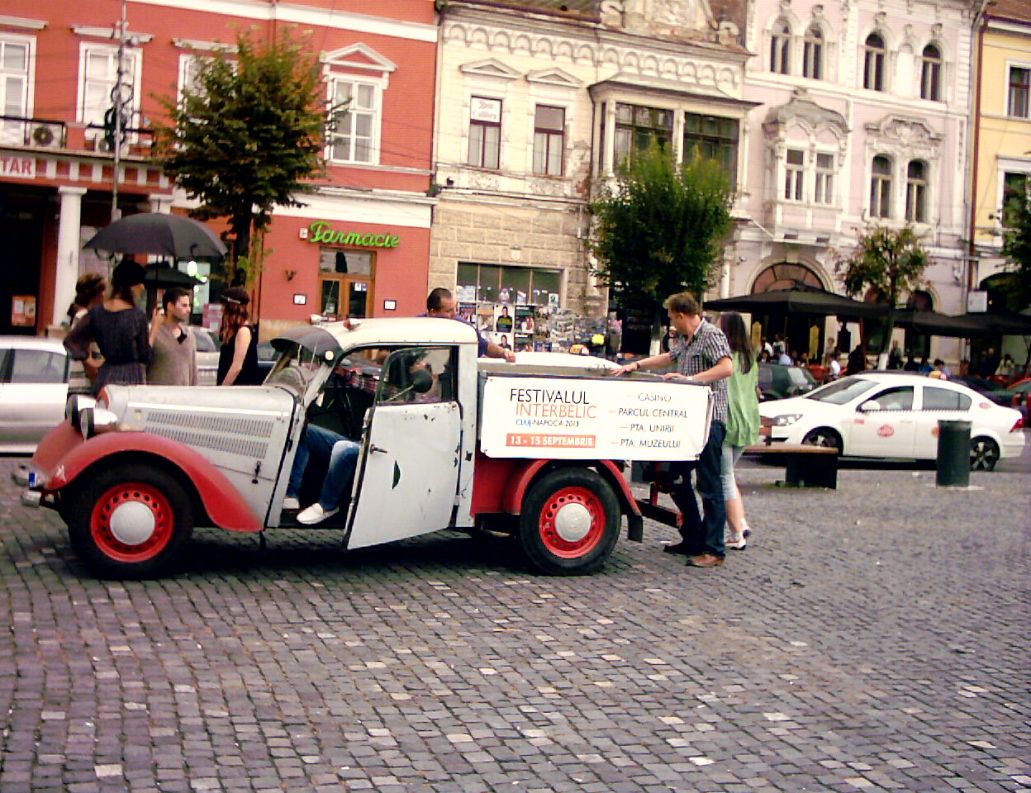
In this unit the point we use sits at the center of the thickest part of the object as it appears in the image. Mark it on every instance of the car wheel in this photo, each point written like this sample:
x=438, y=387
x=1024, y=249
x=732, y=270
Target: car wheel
x=130, y=522
x=569, y=522
x=984, y=454
x=823, y=437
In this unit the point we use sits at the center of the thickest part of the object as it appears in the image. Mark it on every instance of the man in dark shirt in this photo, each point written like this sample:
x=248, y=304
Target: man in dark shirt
x=702, y=355
x=441, y=303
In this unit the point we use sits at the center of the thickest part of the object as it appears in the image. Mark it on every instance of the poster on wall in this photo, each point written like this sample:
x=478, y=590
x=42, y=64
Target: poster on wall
x=23, y=311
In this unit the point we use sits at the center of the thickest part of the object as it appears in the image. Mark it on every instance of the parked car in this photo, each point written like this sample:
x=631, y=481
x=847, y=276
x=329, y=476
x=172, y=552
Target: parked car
x=207, y=355
x=777, y=381
x=986, y=388
x=1020, y=397
x=895, y=415
x=34, y=381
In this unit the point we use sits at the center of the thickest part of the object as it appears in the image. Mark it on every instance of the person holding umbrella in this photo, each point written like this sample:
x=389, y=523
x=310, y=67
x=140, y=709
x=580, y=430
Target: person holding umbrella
x=238, y=356
x=119, y=329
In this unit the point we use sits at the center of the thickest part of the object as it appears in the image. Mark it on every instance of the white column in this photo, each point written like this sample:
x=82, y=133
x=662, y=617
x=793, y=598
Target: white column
x=66, y=271
x=161, y=204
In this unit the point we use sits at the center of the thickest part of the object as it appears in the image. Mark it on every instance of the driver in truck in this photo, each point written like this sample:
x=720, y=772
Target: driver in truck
x=336, y=485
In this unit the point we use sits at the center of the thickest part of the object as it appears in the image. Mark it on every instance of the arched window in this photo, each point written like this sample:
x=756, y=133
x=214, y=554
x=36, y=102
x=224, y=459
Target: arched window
x=916, y=192
x=873, y=65
x=880, y=188
x=812, y=55
x=780, y=48
x=930, y=74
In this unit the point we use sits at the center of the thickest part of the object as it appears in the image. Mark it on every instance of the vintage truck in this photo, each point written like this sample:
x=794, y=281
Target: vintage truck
x=447, y=441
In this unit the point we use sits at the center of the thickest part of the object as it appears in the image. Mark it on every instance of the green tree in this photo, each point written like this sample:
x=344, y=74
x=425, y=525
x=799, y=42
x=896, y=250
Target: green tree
x=247, y=136
x=891, y=262
x=660, y=228
x=1017, y=248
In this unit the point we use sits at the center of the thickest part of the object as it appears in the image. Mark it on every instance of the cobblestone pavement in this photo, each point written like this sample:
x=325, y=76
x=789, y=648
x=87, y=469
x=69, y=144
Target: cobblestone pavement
x=875, y=637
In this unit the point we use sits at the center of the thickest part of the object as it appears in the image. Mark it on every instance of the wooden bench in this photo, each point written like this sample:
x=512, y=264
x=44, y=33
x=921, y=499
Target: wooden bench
x=805, y=465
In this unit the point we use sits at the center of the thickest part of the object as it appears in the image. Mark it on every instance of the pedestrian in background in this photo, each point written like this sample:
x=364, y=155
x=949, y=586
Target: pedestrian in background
x=238, y=355
x=89, y=292
x=742, y=423
x=119, y=329
x=174, y=359
x=702, y=355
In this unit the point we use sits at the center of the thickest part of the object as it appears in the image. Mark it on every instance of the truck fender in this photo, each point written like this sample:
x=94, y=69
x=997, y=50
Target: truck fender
x=523, y=477
x=224, y=505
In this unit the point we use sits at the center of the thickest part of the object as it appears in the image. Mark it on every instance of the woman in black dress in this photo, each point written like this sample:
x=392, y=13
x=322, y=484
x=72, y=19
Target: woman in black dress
x=119, y=329
x=238, y=356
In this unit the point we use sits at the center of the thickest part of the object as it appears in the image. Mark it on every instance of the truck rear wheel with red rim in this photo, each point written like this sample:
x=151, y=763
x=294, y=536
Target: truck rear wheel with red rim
x=130, y=521
x=569, y=522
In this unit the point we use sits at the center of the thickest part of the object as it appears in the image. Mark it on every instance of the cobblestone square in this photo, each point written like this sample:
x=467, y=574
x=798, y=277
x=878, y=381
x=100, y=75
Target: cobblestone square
x=870, y=638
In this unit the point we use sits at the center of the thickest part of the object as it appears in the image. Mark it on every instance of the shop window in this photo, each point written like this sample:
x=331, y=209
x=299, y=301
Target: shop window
x=548, y=140
x=493, y=283
x=14, y=89
x=99, y=74
x=824, y=192
x=873, y=63
x=780, y=48
x=638, y=127
x=916, y=192
x=794, y=171
x=812, y=53
x=485, y=133
x=1019, y=89
x=353, y=135
x=880, y=188
x=713, y=137
x=345, y=282
x=930, y=73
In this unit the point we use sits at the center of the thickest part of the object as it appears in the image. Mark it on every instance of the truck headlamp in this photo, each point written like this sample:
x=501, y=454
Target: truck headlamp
x=75, y=405
x=95, y=420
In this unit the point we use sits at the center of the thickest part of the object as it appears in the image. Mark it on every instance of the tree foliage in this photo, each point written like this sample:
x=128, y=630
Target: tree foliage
x=660, y=228
x=248, y=135
x=890, y=261
x=1017, y=247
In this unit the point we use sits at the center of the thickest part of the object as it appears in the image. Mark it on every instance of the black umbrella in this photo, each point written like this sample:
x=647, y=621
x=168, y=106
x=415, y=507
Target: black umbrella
x=803, y=301
x=936, y=324
x=1008, y=324
x=162, y=275
x=159, y=234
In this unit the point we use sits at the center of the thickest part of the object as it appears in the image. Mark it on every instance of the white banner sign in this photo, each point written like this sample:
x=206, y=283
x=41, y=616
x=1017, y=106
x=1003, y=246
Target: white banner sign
x=571, y=418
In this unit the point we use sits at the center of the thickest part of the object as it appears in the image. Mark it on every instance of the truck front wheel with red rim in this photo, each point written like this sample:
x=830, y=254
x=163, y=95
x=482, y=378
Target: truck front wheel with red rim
x=130, y=521
x=569, y=522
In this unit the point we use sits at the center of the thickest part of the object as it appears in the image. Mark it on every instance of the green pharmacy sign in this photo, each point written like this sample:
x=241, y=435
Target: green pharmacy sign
x=322, y=232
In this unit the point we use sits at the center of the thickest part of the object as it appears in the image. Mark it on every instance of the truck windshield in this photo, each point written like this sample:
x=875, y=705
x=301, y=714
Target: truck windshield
x=296, y=368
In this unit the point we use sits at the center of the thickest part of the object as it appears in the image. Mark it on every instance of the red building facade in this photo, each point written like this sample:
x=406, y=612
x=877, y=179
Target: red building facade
x=359, y=247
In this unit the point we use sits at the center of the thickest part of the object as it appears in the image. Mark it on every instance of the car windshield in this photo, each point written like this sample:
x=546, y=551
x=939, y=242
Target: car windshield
x=801, y=378
x=841, y=391
x=296, y=368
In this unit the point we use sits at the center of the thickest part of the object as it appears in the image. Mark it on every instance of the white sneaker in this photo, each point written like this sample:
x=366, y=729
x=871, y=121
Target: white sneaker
x=735, y=541
x=291, y=503
x=315, y=514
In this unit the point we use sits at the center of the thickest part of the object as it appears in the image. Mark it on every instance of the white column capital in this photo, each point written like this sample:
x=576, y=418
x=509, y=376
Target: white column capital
x=69, y=190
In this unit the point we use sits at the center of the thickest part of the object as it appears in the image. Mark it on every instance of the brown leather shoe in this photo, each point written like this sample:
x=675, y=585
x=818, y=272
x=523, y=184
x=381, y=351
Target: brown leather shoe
x=704, y=560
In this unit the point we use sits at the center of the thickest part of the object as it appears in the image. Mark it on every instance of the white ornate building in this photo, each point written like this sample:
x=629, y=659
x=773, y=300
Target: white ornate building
x=535, y=102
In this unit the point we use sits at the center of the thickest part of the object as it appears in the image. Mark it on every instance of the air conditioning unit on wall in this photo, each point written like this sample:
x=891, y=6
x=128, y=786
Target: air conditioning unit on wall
x=47, y=136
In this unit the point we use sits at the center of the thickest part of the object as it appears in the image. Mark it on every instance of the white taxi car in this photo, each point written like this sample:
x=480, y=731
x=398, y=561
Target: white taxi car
x=889, y=415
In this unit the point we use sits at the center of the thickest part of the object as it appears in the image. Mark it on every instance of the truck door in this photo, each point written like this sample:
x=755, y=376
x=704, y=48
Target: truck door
x=408, y=474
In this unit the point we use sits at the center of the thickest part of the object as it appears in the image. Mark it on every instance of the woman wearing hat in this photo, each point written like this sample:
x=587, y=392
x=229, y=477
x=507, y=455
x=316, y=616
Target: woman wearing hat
x=238, y=356
x=119, y=329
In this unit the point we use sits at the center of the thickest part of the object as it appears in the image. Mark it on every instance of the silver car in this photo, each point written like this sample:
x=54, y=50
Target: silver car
x=34, y=380
x=207, y=355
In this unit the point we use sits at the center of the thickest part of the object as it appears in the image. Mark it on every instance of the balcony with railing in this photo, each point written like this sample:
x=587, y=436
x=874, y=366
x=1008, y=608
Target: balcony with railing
x=74, y=137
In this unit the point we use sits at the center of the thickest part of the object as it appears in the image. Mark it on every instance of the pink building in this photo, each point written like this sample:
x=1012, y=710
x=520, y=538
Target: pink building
x=864, y=120
x=360, y=246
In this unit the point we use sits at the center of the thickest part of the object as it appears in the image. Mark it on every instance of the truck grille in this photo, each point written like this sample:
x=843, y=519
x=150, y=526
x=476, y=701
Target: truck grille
x=247, y=437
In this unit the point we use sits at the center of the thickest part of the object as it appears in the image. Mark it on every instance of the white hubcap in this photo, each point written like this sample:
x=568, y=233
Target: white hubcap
x=133, y=523
x=573, y=522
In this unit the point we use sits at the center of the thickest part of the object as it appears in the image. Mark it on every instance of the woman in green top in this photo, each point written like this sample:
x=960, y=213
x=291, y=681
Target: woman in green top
x=742, y=422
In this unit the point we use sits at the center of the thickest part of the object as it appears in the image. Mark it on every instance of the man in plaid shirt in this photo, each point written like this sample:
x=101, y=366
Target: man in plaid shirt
x=701, y=356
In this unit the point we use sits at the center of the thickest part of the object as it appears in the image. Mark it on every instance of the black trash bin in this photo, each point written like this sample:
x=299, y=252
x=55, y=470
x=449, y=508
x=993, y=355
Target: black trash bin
x=953, y=454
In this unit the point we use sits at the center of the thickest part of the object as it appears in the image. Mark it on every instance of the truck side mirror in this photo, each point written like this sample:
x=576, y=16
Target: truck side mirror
x=422, y=380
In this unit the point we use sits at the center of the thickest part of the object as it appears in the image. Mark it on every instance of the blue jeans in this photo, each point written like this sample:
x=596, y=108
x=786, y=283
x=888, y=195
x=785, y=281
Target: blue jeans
x=704, y=535
x=343, y=459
